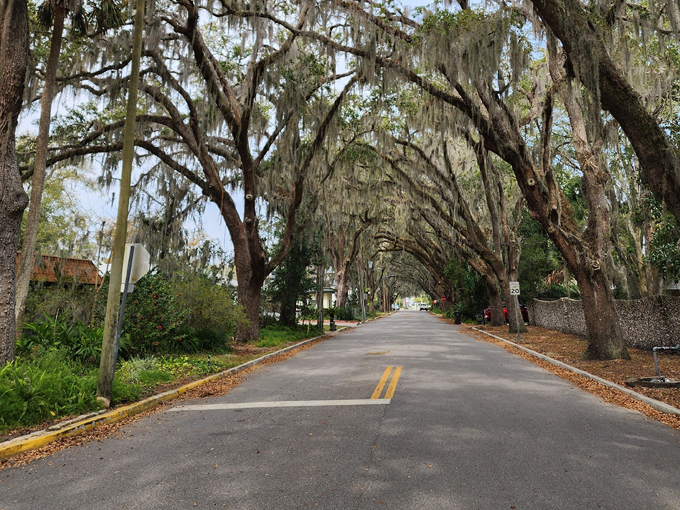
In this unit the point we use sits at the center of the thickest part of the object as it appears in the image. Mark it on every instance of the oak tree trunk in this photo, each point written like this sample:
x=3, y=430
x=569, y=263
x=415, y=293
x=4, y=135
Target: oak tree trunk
x=514, y=253
x=38, y=182
x=250, y=272
x=342, y=289
x=13, y=199
x=249, y=298
x=605, y=339
x=495, y=302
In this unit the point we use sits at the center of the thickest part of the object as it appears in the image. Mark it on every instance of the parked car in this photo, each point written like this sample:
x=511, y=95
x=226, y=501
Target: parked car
x=522, y=308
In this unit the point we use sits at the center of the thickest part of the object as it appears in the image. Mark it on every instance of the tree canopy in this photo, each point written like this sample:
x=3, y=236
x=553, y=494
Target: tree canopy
x=509, y=140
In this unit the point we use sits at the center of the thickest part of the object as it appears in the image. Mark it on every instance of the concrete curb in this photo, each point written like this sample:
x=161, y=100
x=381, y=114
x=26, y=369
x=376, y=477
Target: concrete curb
x=656, y=404
x=89, y=421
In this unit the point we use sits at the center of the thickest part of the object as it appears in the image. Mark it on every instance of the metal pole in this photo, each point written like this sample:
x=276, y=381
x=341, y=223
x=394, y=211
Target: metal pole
x=656, y=363
x=361, y=295
x=519, y=340
x=122, y=309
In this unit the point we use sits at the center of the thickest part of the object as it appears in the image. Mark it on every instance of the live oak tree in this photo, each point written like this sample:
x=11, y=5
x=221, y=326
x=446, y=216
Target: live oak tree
x=236, y=105
x=13, y=199
x=460, y=55
x=348, y=212
x=53, y=13
x=592, y=37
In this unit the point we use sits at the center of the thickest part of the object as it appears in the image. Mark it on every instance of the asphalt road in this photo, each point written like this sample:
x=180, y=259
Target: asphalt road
x=469, y=427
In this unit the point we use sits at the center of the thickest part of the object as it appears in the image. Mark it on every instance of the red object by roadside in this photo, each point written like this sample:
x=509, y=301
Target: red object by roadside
x=522, y=308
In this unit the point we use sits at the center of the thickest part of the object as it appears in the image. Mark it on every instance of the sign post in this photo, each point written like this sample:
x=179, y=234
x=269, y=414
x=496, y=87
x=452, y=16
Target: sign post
x=136, y=264
x=514, y=292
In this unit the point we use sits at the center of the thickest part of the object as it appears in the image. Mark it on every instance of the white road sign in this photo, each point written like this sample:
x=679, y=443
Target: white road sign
x=140, y=265
x=514, y=288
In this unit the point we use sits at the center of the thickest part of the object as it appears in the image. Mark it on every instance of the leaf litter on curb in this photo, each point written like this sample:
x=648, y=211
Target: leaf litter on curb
x=569, y=349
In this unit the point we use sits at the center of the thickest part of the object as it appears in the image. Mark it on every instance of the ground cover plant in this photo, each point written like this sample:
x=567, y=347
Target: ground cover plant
x=275, y=336
x=50, y=385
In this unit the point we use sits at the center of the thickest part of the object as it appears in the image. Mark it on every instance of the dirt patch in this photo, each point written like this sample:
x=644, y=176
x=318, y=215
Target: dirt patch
x=212, y=389
x=569, y=349
x=247, y=349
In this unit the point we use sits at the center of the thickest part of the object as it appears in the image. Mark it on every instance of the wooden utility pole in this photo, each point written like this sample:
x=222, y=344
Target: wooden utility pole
x=107, y=365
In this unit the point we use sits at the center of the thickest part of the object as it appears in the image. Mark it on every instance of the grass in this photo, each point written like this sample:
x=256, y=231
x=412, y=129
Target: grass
x=276, y=336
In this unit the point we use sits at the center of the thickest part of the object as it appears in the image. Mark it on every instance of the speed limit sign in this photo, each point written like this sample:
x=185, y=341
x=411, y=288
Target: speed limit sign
x=514, y=288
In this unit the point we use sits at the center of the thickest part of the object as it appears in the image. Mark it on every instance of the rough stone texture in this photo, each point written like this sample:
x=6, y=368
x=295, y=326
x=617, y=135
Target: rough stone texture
x=645, y=323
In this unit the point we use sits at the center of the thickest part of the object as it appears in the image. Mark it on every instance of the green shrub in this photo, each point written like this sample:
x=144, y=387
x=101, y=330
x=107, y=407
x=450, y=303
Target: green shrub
x=188, y=314
x=344, y=314
x=209, y=306
x=50, y=332
x=340, y=314
x=202, y=340
x=211, y=317
x=153, y=316
x=87, y=347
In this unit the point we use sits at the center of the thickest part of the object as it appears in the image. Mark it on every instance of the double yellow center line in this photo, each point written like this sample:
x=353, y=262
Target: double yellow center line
x=383, y=380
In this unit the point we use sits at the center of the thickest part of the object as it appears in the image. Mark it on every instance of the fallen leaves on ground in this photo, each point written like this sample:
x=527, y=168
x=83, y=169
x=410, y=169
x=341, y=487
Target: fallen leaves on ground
x=569, y=349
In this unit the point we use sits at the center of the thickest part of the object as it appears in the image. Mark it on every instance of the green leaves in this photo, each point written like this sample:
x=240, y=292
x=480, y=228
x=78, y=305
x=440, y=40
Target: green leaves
x=82, y=343
x=39, y=390
x=154, y=316
x=664, y=247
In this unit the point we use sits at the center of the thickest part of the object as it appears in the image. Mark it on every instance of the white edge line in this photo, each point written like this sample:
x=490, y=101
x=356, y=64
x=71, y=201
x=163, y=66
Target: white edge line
x=165, y=396
x=299, y=403
x=656, y=404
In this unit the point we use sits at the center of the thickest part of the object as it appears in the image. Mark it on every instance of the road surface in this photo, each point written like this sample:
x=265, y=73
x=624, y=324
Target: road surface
x=457, y=424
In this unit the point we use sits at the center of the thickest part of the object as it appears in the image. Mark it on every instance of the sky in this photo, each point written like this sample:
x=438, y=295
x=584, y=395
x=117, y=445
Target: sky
x=99, y=206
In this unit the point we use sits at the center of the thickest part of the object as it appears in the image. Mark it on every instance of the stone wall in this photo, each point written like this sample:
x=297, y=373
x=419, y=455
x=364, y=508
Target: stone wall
x=564, y=315
x=645, y=323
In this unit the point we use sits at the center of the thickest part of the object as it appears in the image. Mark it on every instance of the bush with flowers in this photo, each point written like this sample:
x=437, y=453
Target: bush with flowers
x=154, y=316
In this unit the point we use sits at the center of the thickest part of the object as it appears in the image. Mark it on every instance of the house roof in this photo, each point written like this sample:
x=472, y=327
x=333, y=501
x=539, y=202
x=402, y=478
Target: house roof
x=63, y=269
